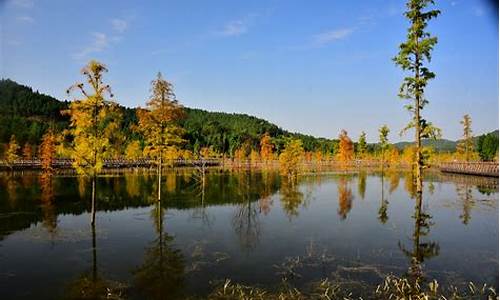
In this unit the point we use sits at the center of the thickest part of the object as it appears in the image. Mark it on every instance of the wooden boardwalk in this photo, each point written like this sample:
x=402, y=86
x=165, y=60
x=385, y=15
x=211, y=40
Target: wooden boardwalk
x=471, y=168
x=35, y=164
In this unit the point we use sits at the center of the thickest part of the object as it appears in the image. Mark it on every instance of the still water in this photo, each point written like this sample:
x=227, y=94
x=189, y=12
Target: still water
x=252, y=227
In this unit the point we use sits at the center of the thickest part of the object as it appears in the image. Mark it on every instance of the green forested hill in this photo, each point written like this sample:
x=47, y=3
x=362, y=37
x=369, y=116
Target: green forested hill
x=28, y=114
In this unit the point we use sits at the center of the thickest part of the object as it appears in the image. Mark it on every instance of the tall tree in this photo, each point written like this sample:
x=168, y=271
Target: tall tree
x=12, y=153
x=290, y=158
x=383, y=141
x=27, y=151
x=158, y=123
x=47, y=151
x=94, y=122
x=466, y=144
x=413, y=53
x=266, y=148
x=346, y=148
x=362, y=145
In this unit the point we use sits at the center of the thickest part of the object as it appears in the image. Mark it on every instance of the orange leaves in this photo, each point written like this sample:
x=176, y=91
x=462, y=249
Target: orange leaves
x=346, y=148
x=47, y=151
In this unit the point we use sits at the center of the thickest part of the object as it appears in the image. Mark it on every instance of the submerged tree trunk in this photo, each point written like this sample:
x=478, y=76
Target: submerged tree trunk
x=94, y=255
x=159, y=179
x=92, y=209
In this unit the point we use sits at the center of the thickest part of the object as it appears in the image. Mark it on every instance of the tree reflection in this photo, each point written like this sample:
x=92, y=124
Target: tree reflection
x=464, y=192
x=291, y=198
x=246, y=221
x=91, y=284
x=362, y=184
x=265, y=200
x=384, y=203
x=49, y=214
x=421, y=249
x=162, y=273
x=345, y=196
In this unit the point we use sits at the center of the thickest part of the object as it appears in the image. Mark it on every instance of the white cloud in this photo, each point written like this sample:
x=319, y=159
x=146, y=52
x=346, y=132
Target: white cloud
x=25, y=19
x=331, y=36
x=23, y=3
x=99, y=42
x=119, y=25
x=234, y=28
x=478, y=11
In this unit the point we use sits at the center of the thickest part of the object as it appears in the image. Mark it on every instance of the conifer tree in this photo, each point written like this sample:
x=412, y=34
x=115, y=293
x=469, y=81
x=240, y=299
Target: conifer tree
x=466, y=144
x=94, y=122
x=346, y=148
x=362, y=145
x=47, y=151
x=266, y=148
x=383, y=141
x=413, y=53
x=158, y=124
x=291, y=158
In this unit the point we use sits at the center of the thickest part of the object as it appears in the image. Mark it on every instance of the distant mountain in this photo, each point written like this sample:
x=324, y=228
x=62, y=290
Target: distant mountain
x=27, y=114
x=442, y=145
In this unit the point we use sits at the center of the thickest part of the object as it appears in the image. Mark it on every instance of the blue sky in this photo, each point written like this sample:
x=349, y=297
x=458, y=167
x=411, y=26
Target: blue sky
x=309, y=66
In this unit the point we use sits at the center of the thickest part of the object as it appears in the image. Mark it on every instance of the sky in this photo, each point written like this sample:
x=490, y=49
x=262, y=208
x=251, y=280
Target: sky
x=313, y=67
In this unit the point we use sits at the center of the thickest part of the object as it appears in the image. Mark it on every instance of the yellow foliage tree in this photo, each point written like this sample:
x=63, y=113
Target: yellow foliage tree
x=291, y=158
x=47, y=151
x=27, y=151
x=11, y=155
x=266, y=148
x=133, y=150
x=240, y=154
x=346, y=148
x=94, y=121
x=254, y=156
x=158, y=123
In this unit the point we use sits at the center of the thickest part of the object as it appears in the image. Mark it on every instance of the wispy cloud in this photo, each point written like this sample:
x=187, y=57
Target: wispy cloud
x=478, y=11
x=23, y=3
x=234, y=28
x=331, y=36
x=25, y=19
x=119, y=25
x=99, y=42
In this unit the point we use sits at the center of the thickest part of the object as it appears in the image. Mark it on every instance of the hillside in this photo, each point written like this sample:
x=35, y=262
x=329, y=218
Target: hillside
x=28, y=114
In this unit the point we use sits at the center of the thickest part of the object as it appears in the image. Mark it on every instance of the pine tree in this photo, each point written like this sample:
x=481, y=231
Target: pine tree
x=47, y=151
x=27, y=151
x=383, y=141
x=266, y=148
x=362, y=145
x=413, y=53
x=158, y=124
x=466, y=144
x=291, y=158
x=346, y=148
x=94, y=123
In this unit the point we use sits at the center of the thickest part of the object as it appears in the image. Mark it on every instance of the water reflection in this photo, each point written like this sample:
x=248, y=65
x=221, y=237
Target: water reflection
x=421, y=248
x=384, y=203
x=362, y=184
x=345, y=196
x=291, y=197
x=49, y=215
x=162, y=271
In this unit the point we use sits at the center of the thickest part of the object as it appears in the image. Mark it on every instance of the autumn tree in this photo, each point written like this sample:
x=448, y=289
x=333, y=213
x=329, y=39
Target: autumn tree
x=413, y=53
x=158, y=124
x=383, y=141
x=346, y=148
x=27, y=151
x=133, y=151
x=466, y=145
x=291, y=158
x=94, y=120
x=266, y=148
x=11, y=154
x=361, y=149
x=47, y=151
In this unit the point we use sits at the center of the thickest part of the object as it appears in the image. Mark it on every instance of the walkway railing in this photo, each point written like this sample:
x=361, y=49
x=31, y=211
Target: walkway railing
x=471, y=168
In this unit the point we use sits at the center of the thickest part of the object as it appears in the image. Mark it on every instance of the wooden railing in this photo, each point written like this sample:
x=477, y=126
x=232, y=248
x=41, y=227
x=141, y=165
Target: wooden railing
x=471, y=168
x=64, y=163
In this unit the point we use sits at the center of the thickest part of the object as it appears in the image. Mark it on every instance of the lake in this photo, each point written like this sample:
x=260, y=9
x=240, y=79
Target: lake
x=254, y=228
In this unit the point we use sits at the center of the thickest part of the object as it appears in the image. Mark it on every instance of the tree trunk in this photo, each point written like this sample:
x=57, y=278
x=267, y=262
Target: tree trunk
x=159, y=179
x=92, y=209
